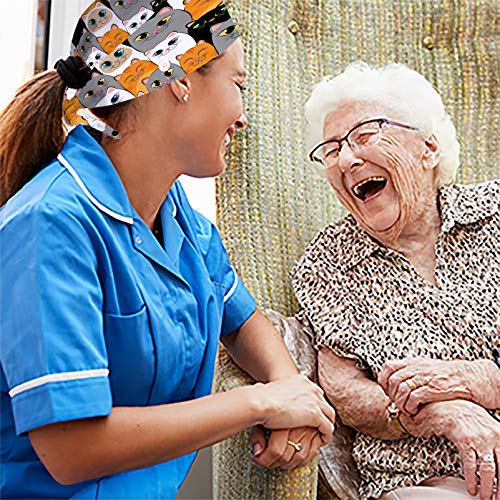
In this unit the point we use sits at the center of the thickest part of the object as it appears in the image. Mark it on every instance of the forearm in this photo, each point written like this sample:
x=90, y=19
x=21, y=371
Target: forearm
x=362, y=406
x=133, y=438
x=484, y=386
x=360, y=402
x=258, y=349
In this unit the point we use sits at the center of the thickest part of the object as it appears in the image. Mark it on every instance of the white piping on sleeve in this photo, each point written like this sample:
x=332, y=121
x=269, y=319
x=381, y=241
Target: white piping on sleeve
x=57, y=377
x=100, y=206
x=233, y=288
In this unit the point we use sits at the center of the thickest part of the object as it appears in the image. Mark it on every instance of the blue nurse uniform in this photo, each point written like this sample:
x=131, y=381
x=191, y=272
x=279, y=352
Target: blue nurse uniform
x=95, y=313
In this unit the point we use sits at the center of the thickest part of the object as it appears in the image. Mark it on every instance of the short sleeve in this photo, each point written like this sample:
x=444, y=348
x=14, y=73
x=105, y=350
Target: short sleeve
x=239, y=304
x=53, y=352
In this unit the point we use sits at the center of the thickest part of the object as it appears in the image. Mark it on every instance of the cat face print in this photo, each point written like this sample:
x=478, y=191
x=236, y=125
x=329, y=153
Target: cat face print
x=126, y=9
x=167, y=51
x=177, y=4
x=134, y=76
x=71, y=108
x=223, y=35
x=85, y=45
x=196, y=57
x=157, y=5
x=99, y=19
x=199, y=27
x=156, y=30
x=135, y=22
x=198, y=8
x=94, y=58
x=119, y=60
x=112, y=39
x=101, y=91
x=160, y=79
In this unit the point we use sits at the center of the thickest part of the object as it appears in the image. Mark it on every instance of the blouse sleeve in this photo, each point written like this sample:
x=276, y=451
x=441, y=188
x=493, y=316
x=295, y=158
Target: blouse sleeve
x=53, y=352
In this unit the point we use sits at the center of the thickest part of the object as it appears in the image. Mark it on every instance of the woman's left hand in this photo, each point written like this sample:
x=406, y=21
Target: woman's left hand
x=412, y=382
x=276, y=451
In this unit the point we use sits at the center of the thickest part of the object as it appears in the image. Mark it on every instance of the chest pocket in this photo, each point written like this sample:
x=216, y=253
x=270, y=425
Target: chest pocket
x=131, y=357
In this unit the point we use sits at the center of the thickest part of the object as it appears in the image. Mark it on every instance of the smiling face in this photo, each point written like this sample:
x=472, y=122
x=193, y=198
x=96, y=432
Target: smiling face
x=213, y=114
x=99, y=19
x=385, y=185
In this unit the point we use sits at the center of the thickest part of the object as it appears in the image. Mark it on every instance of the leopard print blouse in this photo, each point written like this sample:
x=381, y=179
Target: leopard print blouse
x=368, y=303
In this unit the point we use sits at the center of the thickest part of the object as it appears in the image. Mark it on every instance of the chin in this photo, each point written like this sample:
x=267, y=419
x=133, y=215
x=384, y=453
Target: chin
x=221, y=166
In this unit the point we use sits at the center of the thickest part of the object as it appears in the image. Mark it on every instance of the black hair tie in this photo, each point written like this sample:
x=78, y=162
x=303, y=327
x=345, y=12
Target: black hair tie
x=74, y=72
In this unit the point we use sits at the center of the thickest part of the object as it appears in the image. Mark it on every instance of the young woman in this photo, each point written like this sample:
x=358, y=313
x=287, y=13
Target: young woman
x=114, y=291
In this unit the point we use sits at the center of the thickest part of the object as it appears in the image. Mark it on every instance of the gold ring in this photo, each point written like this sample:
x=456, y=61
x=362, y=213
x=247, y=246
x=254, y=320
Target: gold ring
x=297, y=446
x=488, y=458
x=411, y=385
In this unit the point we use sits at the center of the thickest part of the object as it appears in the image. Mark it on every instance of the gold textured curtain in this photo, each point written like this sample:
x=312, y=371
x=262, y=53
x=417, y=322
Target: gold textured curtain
x=270, y=203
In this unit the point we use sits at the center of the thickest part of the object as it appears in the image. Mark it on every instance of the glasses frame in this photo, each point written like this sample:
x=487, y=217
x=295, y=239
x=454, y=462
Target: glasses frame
x=342, y=140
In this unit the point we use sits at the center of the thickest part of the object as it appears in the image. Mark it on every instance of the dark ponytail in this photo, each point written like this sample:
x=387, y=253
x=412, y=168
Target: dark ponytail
x=32, y=132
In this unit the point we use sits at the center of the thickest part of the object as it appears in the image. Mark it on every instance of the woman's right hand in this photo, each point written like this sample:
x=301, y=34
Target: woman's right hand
x=476, y=434
x=295, y=402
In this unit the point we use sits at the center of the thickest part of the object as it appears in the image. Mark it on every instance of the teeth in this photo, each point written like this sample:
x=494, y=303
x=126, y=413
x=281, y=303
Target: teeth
x=357, y=187
x=227, y=139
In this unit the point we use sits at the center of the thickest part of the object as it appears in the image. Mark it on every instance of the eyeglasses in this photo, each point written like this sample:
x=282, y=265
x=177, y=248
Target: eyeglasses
x=364, y=134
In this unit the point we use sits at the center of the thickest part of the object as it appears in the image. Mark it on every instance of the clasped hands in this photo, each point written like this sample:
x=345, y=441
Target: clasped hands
x=453, y=397
x=304, y=423
x=275, y=449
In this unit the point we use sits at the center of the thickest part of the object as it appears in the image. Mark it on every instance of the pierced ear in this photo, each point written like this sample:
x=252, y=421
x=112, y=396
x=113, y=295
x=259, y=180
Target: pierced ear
x=431, y=154
x=180, y=88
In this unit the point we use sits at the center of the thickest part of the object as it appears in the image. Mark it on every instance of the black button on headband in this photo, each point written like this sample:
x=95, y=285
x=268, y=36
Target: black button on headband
x=74, y=72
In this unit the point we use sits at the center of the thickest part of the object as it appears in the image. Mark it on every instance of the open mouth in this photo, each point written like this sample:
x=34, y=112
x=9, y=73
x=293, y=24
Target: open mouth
x=369, y=188
x=227, y=137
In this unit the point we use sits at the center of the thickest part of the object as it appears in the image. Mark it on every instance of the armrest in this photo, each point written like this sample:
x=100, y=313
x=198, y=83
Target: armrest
x=338, y=470
x=234, y=476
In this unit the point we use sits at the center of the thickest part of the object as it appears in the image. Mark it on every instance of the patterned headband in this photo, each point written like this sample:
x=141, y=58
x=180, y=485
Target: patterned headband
x=134, y=47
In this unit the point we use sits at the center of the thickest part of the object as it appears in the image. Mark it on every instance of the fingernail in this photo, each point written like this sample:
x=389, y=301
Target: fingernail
x=257, y=449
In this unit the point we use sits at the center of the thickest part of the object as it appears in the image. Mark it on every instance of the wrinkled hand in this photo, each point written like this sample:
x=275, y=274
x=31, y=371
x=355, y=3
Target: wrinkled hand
x=275, y=452
x=413, y=382
x=295, y=402
x=476, y=434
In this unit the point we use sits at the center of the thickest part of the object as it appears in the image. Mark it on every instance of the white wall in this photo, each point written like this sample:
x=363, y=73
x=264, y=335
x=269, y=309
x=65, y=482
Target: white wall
x=17, y=46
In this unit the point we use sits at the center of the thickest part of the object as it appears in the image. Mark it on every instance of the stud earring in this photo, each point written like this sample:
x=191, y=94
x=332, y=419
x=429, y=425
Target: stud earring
x=185, y=98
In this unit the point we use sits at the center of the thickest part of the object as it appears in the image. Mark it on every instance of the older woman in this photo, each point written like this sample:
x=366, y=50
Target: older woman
x=403, y=293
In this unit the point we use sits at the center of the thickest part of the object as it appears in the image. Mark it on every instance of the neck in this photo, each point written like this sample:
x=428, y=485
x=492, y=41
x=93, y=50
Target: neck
x=422, y=230
x=145, y=172
x=417, y=240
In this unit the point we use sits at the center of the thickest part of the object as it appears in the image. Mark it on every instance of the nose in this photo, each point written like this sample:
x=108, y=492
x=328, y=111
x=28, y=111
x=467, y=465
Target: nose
x=241, y=122
x=348, y=159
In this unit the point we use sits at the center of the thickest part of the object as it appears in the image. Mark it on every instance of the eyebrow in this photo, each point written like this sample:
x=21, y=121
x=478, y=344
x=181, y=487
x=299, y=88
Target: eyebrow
x=242, y=74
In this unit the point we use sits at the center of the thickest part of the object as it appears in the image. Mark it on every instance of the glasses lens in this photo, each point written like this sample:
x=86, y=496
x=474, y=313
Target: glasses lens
x=327, y=154
x=365, y=135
